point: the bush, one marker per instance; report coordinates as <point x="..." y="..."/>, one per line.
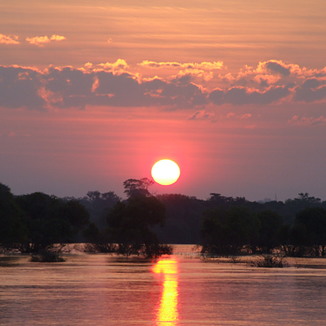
<point x="153" y="250"/>
<point x="269" y="261"/>
<point x="47" y="257"/>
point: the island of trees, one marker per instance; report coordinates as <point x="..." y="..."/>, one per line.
<point x="144" y="224"/>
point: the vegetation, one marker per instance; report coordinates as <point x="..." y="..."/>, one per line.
<point x="32" y="223"/>
<point x="269" y="261"/>
<point x="49" y="220"/>
<point x="254" y="227"/>
<point x="130" y="221"/>
<point x="13" y="228"/>
<point x="143" y="224"/>
<point x="98" y="206"/>
<point x="268" y="231"/>
<point x="226" y="231"/>
<point x="47" y="256"/>
<point x="308" y="234"/>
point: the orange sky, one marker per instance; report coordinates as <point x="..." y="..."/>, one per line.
<point x="92" y="93"/>
<point x="236" y="32"/>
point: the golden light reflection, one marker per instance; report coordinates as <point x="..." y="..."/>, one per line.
<point x="168" y="310"/>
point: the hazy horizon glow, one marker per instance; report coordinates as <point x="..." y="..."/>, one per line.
<point x="92" y="94"/>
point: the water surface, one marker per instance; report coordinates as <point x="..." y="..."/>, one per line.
<point x="178" y="290"/>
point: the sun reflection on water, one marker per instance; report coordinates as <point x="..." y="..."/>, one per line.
<point x="168" y="310"/>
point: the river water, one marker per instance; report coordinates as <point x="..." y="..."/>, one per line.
<point x="178" y="290"/>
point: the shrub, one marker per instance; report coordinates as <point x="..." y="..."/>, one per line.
<point x="269" y="261"/>
<point x="47" y="257"/>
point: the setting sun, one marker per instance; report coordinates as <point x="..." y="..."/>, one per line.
<point x="165" y="172"/>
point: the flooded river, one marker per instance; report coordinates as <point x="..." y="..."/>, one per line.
<point x="178" y="290"/>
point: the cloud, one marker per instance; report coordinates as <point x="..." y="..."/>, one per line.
<point x="199" y="71"/>
<point x="216" y="65"/>
<point x="307" y="121"/>
<point x="202" y="115"/>
<point x="42" y="40"/>
<point x="197" y="74"/>
<point x="243" y="96"/>
<point x="276" y="67"/>
<point x="19" y="88"/>
<point x="125" y="90"/>
<point x="110" y="84"/>
<point x="244" y="116"/>
<point x="311" y="90"/>
<point x="8" y="39"/>
<point x="67" y="87"/>
<point x="35" y="40"/>
<point x="268" y="73"/>
<point x="70" y="87"/>
<point x="117" y="66"/>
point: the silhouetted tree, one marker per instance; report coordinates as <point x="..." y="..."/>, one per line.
<point x="293" y="206"/>
<point x="227" y="231"/>
<point x="135" y="187"/>
<point x="218" y="200"/>
<point x="309" y="230"/>
<point x="12" y="226"/>
<point x="130" y="221"/>
<point x="310" y="200"/>
<point x="297" y="225"/>
<point x="183" y="219"/>
<point x="270" y="231"/>
<point x="98" y="205"/>
<point x="76" y="214"/>
<point x="50" y="220"/>
<point x="92" y="233"/>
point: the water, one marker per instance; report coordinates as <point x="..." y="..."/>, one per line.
<point x="180" y="290"/>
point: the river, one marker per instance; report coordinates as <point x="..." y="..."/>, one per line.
<point x="182" y="289"/>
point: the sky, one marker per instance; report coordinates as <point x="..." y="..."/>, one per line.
<point x="93" y="93"/>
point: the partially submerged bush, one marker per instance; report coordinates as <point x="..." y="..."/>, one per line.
<point x="157" y="250"/>
<point x="100" y="248"/>
<point x="47" y="257"/>
<point x="269" y="261"/>
<point x="152" y="250"/>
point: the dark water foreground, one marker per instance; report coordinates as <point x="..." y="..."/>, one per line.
<point x="179" y="290"/>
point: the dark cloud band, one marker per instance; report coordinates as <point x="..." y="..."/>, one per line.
<point x="68" y="87"/>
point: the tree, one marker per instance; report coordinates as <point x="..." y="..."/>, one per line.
<point x="227" y="231"/>
<point x="12" y="227"/>
<point x="50" y="220"/>
<point x="183" y="219"/>
<point x="270" y="230"/>
<point x="310" y="230"/>
<point x="219" y="200"/>
<point x="76" y="214"/>
<point x="98" y="205"/>
<point x="311" y="200"/>
<point x="302" y="201"/>
<point x="92" y="233"/>
<point x="135" y="187"/>
<point x="130" y="221"/>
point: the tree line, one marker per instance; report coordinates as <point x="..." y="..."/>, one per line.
<point x="144" y="224"/>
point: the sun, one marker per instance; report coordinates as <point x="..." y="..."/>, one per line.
<point x="165" y="172"/>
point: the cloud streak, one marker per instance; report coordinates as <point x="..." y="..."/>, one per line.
<point x="307" y="121"/>
<point x="216" y="65"/>
<point x="8" y="39"/>
<point x="112" y="85"/>
<point x="42" y="40"/>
